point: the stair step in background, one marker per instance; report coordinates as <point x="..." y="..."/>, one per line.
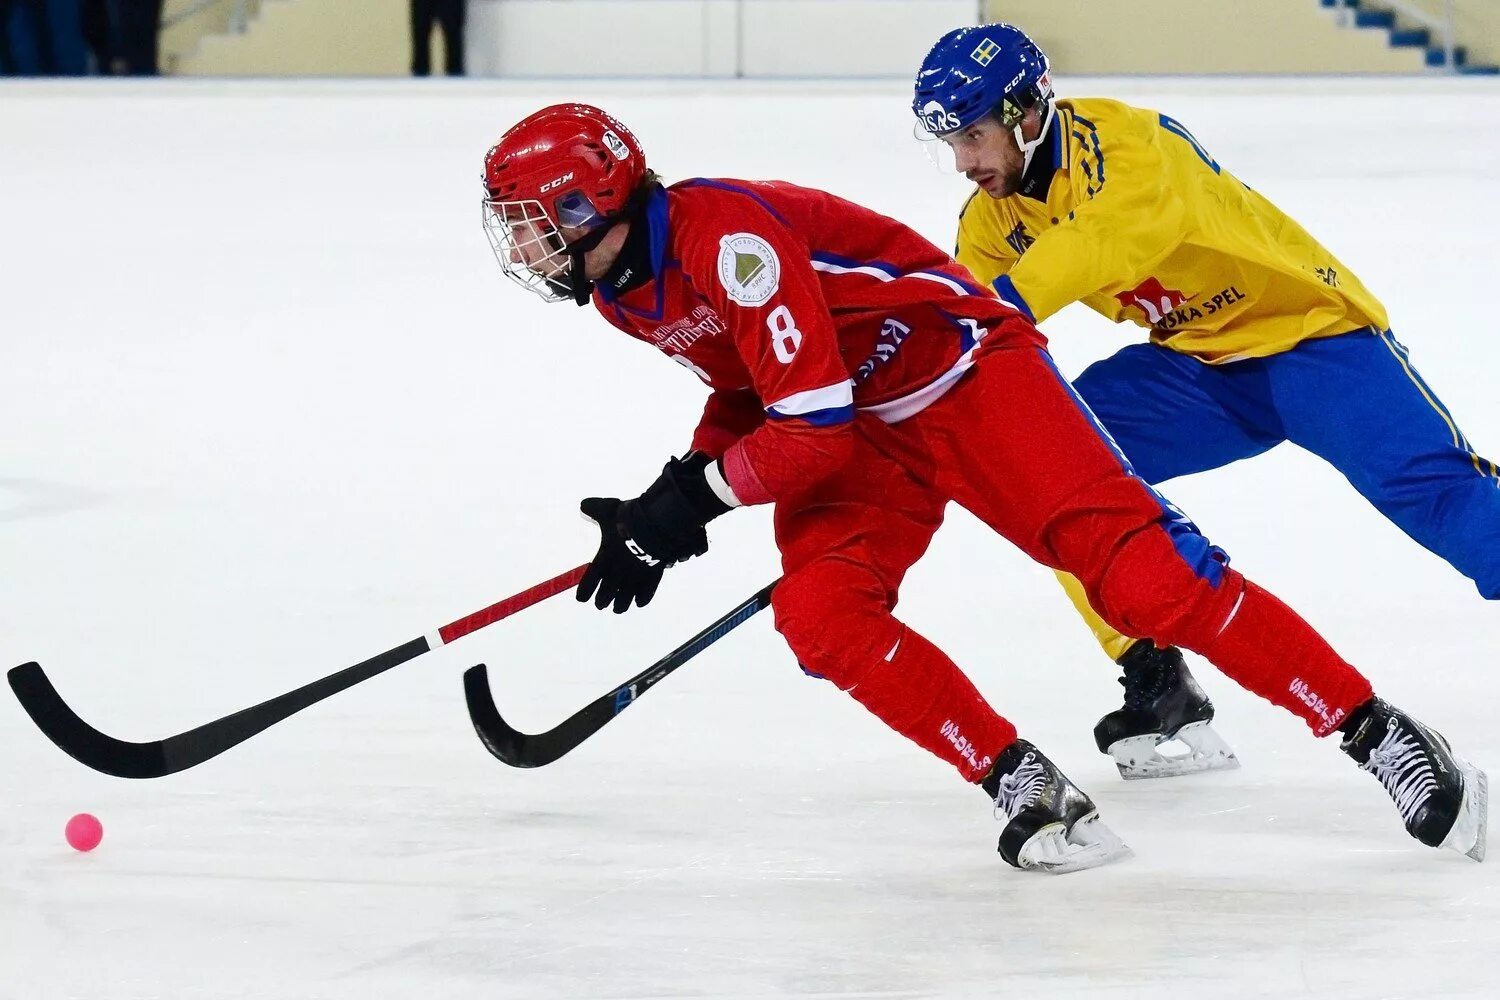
<point x="1370" y="14"/>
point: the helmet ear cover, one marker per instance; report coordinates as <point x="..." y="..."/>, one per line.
<point x="1013" y="106"/>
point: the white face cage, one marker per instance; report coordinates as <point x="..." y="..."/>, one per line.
<point x="529" y="247"/>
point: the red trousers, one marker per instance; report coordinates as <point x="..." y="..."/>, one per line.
<point x="1013" y="444"/>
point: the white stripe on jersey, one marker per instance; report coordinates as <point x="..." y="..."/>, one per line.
<point x="829" y="397"/>
<point x="941" y="279"/>
<point x="875" y="272"/>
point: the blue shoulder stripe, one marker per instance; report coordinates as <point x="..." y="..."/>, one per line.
<point x="737" y="189"/>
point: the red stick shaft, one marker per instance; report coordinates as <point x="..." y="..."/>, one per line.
<point x="509" y="606"/>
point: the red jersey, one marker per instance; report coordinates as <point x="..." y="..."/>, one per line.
<point x="799" y="308"/>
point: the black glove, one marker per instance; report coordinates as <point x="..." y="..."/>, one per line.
<point x="640" y="538"/>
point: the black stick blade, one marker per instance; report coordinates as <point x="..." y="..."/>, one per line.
<point x="518" y="749"/>
<point x="77" y="738"/>
<point x="495" y="733"/>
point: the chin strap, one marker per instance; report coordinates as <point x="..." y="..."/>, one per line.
<point x="578" y="281"/>
<point x="581" y="287"/>
<point x="1028" y="149"/>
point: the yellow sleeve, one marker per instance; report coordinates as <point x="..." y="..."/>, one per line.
<point x="976" y="247"/>
<point x="1127" y="221"/>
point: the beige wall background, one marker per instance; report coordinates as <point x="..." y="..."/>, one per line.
<point x="186" y="22"/>
<point x="371" y="37"/>
<point x="296" y="38"/>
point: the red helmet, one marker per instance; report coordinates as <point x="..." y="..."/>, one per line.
<point x="552" y="185"/>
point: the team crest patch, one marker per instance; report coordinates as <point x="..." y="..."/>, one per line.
<point x="748" y="268"/>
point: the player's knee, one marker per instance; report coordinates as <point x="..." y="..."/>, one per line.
<point x="834" y="632"/>
<point x="1150" y="588"/>
<point x="1459" y="521"/>
<point x="1467" y="533"/>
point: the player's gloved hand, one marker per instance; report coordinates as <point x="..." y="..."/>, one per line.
<point x="640" y="538"/>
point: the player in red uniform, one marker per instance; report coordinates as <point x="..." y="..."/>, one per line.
<point x="861" y="380"/>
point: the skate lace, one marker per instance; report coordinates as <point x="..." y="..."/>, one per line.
<point x="1403" y="769"/>
<point x="1144" y="684"/>
<point x="1021" y="787"/>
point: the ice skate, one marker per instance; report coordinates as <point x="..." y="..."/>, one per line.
<point x="1442" y="798"/>
<point x="1162" y="703"/>
<point x="1051" y="825"/>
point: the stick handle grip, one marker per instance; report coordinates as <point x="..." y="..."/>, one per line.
<point x="509" y="606"/>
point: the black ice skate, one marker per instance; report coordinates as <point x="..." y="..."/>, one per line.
<point x="1442" y="798"/>
<point x="1051" y="825"/>
<point x="1162" y="703"/>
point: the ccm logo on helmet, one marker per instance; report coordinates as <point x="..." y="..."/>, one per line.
<point x="557" y="183"/>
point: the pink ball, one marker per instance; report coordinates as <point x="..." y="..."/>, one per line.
<point x="84" y="832"/>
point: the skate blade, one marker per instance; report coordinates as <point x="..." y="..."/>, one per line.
<point x="1141" y="756"/>
<point x="1057" y="851"/>
<point x="1471" y="828"/>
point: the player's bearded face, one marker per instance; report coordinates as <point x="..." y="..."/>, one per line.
<point x="987" y="154"/>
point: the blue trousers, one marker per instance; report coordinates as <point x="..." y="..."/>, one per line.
<point x="1353" y="400"/>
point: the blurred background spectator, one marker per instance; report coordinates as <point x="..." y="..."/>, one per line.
<point x="136" y="25"/>
<point x="74" y="37"/>
<point x="98" y="36"/>
<point x="449" y="14"/>
<point x="27" y="44"/>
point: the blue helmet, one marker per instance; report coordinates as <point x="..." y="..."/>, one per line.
<point x="974" y="71"/>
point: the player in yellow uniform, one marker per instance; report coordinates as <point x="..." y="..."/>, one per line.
<point x="1258" y="334"/>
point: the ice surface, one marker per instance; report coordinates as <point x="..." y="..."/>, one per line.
<point x="270" y="408"/>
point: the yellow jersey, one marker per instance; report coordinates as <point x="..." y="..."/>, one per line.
<point x="1123" y="210"/>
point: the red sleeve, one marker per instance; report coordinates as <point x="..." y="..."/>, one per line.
<point x="729" y="415"/>
<point x="756" y="271"/>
